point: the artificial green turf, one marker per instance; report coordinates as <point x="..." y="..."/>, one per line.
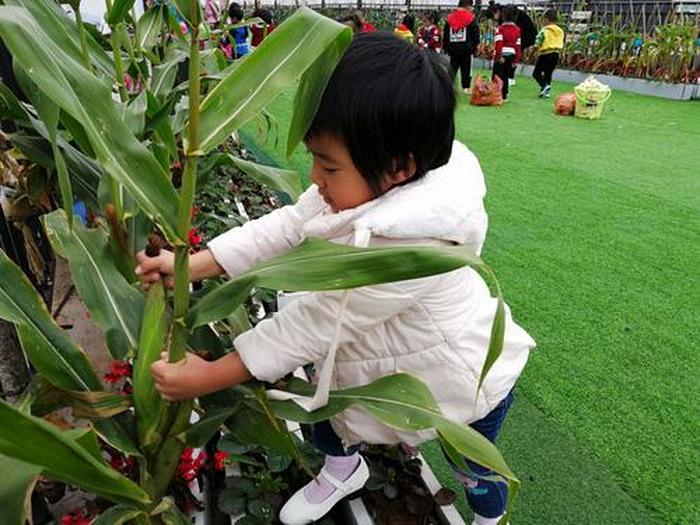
<point x="595" y="235"/>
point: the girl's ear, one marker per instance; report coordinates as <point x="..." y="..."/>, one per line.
<point x="400" y="175"/>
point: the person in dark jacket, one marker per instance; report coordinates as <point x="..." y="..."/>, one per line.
<point x="460" y="39"/>
<point x="528" y="30"/>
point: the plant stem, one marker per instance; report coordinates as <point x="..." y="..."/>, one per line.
<point x="189" y="180"/>
<point x="83" y="39"/>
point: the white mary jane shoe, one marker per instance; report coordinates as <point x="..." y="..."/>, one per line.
<point x="299" y="511"/>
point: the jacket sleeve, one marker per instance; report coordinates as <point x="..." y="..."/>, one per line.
<point x="241" y="248"/>
<point x="473" y="36"/>
<point x="498" y="41"/>
<point x="302" y="332"/>
<point x="518" y="48"/>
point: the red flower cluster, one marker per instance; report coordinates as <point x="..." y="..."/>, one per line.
<point x="220" y="458"/>
<point x="190" y="466"/>
<point x="122" y="463"/>
<point x="76" y="517"/>
<point x="194" y="238"/>
<point x="118" y="370"/>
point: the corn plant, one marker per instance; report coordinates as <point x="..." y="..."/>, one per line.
<point x="116" y="147"/>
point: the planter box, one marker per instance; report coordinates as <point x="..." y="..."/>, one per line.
<point x="632" y="85"/>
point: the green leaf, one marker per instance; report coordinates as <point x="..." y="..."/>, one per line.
<point x="118" y="515"/>
<point x="403" y="402"/>
<point x="86" y="438"/>
<point x="318" y="265"/>
<point x="276" y="179"/>
<point x="186" y="7"/>
<point x="150" y="408"/>
<point x="48" y="347"/>
<point x="114" y="304"/>
<point x="35" y="441"/>
<point x="64" y="33"/>
<point x="273" y="68"/>
<point x="10" y="106"/>
<point x="49" y="112"/>
<point x="202" y="431"/>
<point x="496" y="342"/>
<point x="120" y="8"/>
<point x="277" y="461"/>
<point x="134" y="114"/>
<point x="311" y="87"/>
<point x="148" y="28"/>
<point x="18" y="479"/>
<point x="88" y="100"/>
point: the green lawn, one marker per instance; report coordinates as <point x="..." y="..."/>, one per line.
<point x="595" y="235"/>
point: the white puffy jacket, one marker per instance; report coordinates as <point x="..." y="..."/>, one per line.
<point x="436" y="328"/>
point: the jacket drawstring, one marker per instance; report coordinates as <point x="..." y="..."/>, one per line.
<point x="325" y="376"/>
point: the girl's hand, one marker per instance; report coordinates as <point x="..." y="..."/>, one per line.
<point x="194" y="377"/>
<point x="185" y="379"/>
<point x="152" y="269"/>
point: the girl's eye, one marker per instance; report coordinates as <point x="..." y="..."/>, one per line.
<point x="330" y="170"/>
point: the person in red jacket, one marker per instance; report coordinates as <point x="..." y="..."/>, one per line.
<point x="429" y="36"/>
<point x="460" y="39"/>
<point x="261" y="30"/>
<point x="508" y="51"/>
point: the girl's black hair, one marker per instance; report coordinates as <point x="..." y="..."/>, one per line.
<point x="235" y="11"/>
<point x="409" y="21"/>
<point x="389" y="101"/>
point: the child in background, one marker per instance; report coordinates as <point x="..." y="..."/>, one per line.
<point x="461" y="39"/>
<point x="379" y="180"/>
<point x="405" y="29"/>
<point x="239" y="35"/>
<point x="549" y="42"/>
<point x="261" y="30"/>
<point x="429" y="36"/>
<point x="508" y="52"/>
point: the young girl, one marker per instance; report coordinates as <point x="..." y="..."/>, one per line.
<point x="378" y="180"/>
<point x="508" y="51"/>
<point x="429" y="36"/>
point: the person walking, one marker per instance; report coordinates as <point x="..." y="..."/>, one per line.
<point x="549" y="42"/>
<point x="460" y="39"/>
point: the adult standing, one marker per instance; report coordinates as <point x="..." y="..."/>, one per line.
<point x="460" y="39"/>
<point x="528" y="30"/>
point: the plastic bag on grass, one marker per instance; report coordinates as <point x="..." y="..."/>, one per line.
<point x="565" y="104"/>
<point x="487" y="93"/>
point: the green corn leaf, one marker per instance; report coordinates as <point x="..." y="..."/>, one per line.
<point x="35" y="441"/>
<point x="48" y="347"/>
<point x="276" y="179"/>
<point x="10" y="106"/>
<point x="49" y="113"/>
<point x="202" y="431"/>
<point x="148" y="28"/>
<point x="113" y="303"/>
<point x="64" y="33"/>
<point x="274" y="67"/>
<point x="308" y="96"/>
<point x="185" y="7"/>
<point x="150" y="408"/>
<point x="318" y="265"/>
<point x="88" y="100"/>
<point x="498" y="329"/>
<point x="18" y="480"/>
<point x="403" y="402"/>
<point x="119" y="515"/>
<point x="120" y="8"/>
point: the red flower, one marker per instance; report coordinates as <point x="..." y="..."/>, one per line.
<point x="194" y="238"/>
<point x="118" y="370"/>
<point x="194" y="211"/>
<point x="189" y="466"/>
<point x="76" y="517"/>
<point x="220" y="459"/>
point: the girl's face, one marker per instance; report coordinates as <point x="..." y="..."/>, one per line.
<point x="339" y="182"/>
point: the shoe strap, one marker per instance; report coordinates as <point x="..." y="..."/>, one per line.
<point x="339" y="485"/>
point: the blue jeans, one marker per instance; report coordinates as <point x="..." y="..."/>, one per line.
<point x="486" y="498"/>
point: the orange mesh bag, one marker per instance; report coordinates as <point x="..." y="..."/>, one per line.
<point x="485" y="93"/>
<point x="565" y="104"/>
